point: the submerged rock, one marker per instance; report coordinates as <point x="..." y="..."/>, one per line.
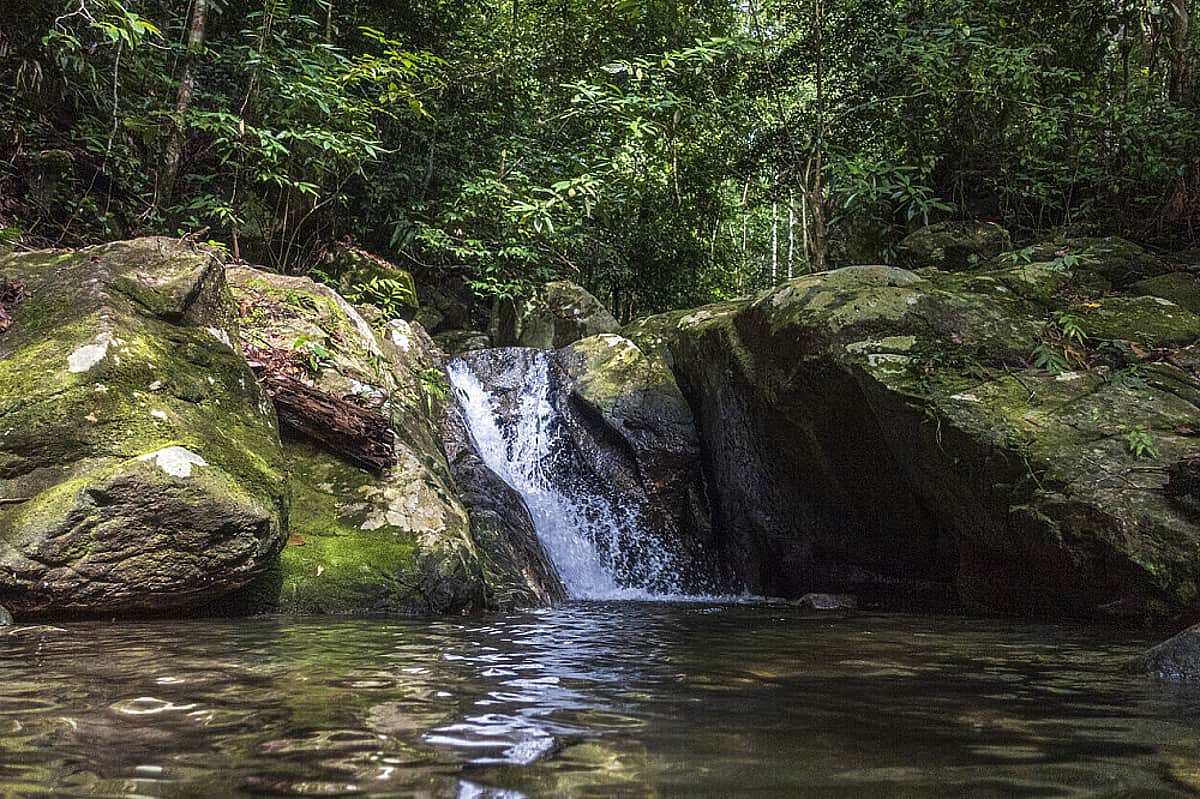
<point x="6" y="618"/>
<point x="1174" y="660"/>
<point x="140" y="464"/>
<point x="827" y="602"/>
<point x="559" y="314"/>
<point x="872" y="429"/>
<point x="953" y="246"/>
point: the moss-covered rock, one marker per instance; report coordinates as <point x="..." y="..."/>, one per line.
<point x="882" y="432"/>
<point x="140" y="464"/>
<point x="1118" y="261"/>
<point x="361" y="542"/>
<point x="559" y="314"/>
<point x="953" y="246"/>
<point x="1181" y="288"/>
<point x="356" y="273"/>
<point x="634" y="432"/>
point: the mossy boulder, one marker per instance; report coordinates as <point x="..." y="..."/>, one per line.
<point x="365" y="542"/>
<point x="558" y="314"/>
<point x="953" y="246"/>
<point x="883" y="432"/>
<point x="1118" y="261"/>
<point x="356" y="273"/>
<point x="1181" y="288"/>
<point x="140" y="464"/>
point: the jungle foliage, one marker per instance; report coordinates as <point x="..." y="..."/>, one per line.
<point x="661" y="152"/>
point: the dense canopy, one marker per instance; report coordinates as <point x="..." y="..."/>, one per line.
<point x="661" y="152"/>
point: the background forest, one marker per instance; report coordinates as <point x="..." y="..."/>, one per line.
<point x="663" y="153"/>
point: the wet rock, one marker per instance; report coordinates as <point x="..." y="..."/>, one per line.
<point x="518" y="572"/>
<point x="1174" y="660"/>
<point x="140" y="464"/>
<point x="871" y="429"/>
<point x="618" y="434"/>
<point x="953" y="246"/>
<point x="827" y="602"/>
<point x="559" y="314"/>
<point x="635" y="434"/>
<point x="396" y="542"/>
<point x="6" y="617"/>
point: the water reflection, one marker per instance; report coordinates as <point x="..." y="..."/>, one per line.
<point x="588" y="700"/>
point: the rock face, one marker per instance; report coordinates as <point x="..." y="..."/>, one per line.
<point x="885" y="433"/>
<point x="616" y="444"/>
<point x="635" y="433"/>
<point x="953" y="246"/>
<point x="456" y="342"/>
<point x="518" y="572"/>
<point x="125" y="408"/>
<point x="559" y="314"/>
<point x="364" y="542"/>
<point x="1175" y="660"/>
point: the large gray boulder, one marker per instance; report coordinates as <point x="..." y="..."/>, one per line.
<point x="391" y="542"/>
<point x="558" y="314"/>
<point x="634" y="432"/>
<point x="888" y="434"/>
<point x="617" y="438"/>
<point x="140" y="464"/>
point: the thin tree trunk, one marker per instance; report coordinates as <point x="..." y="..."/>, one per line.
<point x="774" y="242"/>
<point x="173" y="148"/>
<point x="791" y="261"/>
<point x="1180" y="78"/>
<point x="806" y="245"/>
<point x="818" y="203"/>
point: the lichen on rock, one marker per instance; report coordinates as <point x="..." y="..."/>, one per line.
<point x="120" y="416"/>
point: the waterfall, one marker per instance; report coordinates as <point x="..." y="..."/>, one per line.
<point x="595" y="542"/>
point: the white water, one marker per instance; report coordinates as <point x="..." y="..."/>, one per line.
<point x="583" y="534"/>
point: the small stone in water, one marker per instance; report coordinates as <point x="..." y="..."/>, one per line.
<point x="827" y="602"/>
<point x="6" y="618"/>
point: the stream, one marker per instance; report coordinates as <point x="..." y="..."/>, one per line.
<point x="589" y="699"/>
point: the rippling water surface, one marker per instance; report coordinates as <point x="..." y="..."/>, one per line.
<point x="588" y="700"/>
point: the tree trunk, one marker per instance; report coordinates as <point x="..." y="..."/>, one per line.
<point x="360" y="436"/>
<point x="173" y="148"/>
<point x="774" y="240"/>
<point x="1180" y="78"/>
<point x="817" y="203"/>
<point x="791" y="261"/>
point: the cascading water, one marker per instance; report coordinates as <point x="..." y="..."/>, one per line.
<point x="588" y="537"/>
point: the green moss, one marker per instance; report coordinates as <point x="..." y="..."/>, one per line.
<point x="350" y="556"/>
<point x="1147" y="321"/>
<point x="1181" y="288"/>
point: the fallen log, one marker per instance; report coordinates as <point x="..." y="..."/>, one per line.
<point x="356" y="434"/>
